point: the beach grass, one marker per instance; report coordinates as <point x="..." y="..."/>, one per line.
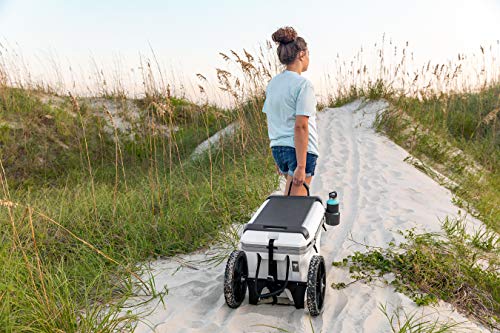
<point x="93" y="187"/>
<point x="456" y="267"/>
<point x="446" y="116"/>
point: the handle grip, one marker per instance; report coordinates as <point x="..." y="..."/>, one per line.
<point x="305" y="185"/>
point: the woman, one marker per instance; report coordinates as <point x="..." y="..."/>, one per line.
<point x="290" y="107"/>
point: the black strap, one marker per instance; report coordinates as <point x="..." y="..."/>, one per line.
<point x="275" y="292"/>
<point x="272" y="271"/>
<point x="272" y="266"/>
<point x="305" y="185"/>
<point x="259" y="259"/>
<point x="279" y="291"/>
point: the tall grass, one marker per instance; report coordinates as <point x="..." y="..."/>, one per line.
<point x="389" y="69"/>
<point x="446" y="113"/>
<point x="92" y="186"/>
<point x="459" y="136"/>
<point x="97" y="182"/>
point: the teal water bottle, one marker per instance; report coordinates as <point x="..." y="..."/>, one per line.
<point x="332" y="214"/>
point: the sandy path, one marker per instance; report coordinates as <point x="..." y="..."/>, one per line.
<point x="380" y="194"/>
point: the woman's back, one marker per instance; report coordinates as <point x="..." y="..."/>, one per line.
<point x="289" y="95"/>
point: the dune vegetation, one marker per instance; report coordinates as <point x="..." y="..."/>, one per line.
<point x="450" y="128"/>
<point x="93" y="186"/>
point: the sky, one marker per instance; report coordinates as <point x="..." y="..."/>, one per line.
<point x="188" y="35"/>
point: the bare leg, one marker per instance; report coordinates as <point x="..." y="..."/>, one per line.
<point x="296" y="190"/>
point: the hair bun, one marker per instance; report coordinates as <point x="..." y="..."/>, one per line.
<point x="285" y="35"/>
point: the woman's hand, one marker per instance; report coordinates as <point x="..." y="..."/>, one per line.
<point x="299" y="175"/>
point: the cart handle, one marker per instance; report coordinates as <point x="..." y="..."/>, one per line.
<point x="305" y="185"/>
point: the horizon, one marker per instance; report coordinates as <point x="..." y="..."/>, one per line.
<point x="68" y="41"/>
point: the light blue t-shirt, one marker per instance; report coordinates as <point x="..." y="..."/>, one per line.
<point x="288" y="95"/>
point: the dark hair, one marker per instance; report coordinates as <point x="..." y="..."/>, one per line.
<point x="289" y="44"/>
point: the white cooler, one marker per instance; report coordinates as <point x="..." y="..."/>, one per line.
<point x="279" y="254"/>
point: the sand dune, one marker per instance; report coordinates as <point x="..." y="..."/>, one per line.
<point x="379" y="193"/>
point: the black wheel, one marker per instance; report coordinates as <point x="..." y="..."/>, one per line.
<point x="316" y="285"/>
<point x="235" y="284"/>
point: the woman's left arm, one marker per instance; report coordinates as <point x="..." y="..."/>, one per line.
<point x="301" y="138"/>
<point x="306" y="107"/>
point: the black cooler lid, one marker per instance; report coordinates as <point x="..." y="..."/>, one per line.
<point x="284" y="214"/>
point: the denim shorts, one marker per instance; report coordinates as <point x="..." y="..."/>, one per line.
<point x="286" y="160"/>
